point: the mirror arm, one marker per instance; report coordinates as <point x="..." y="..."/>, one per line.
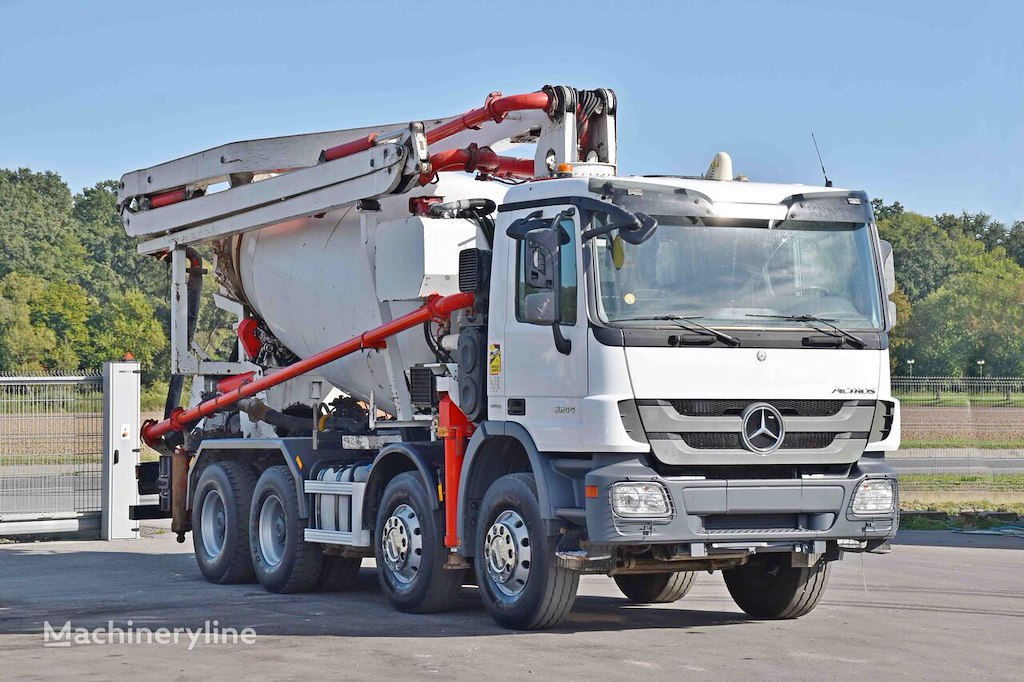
<point x="562" y="344"/>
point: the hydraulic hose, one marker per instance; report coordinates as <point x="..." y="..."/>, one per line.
<point x="259" y="411"/>
<point x="477" y="158"/>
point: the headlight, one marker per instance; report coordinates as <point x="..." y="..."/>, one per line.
<point x="640" y="500"/>
<point x="874" y="496"/>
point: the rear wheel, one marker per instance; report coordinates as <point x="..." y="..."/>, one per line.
<point x="284" y="562"/>
<point x="655" y="588"/>
<point x="769" y="586"/>
<point x="410" y="549"/>
<point x="520" y="583"/>
<point x="220" y="522"/>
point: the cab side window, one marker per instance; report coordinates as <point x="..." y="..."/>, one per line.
<point x="568" y="284"/>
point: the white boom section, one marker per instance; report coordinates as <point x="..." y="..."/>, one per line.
<point x="216" y="165"/>
<point x="303" y="192"/>
<point x="306" y="188"/>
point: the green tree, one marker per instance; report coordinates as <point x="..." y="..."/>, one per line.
<point x="975" y="315"/>
<point x="1013" y="242"/>
<point x="64" y="309"/>
<point x="900" y="342"/>
<point x="25" y="345"/>
<point x="970" y="226"/>
<point x="36" y="228"/>
<point x="129" y="325"/>
<point x="883" y="212"/>
<point x="116" y="262"/>
<point x="924" y="254"/>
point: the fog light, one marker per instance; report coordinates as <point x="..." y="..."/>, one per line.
<point x="874" y="496"/>
<point x="640" y="500"/>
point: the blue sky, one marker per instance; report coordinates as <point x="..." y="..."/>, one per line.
<point x="921" y="102"/>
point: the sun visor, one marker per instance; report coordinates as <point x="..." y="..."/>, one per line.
<point x="834" y="207"/>
<point x="654" y="199"/>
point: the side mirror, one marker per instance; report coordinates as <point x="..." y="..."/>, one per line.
<point x="542" y="261"/>
<point x="888" y="267"/>
<point x="541" y="308"/>
<point x="542" y="243"/>
<point x="543" y="274"/>
<point x="641" y="232"/>
<point x="634" y="228"/>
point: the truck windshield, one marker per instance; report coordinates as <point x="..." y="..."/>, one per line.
<point x="730" y="272"/>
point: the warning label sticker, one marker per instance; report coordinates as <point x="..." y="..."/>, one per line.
<point x="494" y="359"/>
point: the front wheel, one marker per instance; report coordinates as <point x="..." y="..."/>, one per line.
<point x="410" y="549"/>
<point x="521" y="585"/>
<point x="769" y="586"/>
<point x="656" y="588"/>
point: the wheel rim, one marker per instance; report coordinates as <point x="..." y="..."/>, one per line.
<point x="273" y="530"/>
<point x="402" y="544"/>
<point x="214" y="520"/>
<point x="509" y="553"/>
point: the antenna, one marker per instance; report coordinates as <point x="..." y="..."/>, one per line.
<point x="828" y="183"/>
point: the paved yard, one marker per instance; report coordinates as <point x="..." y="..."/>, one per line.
<point x="941" y="606"/>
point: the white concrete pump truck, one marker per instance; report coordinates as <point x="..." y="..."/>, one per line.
<point x="529" y="369"/>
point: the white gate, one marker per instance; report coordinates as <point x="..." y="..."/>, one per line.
<point x="68" y="450"/>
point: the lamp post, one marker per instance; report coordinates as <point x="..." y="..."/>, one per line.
<point x="981" y="368"/>
<point x="910" y="365"/>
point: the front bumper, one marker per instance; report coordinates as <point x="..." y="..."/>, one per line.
<point x="716" y="514"/>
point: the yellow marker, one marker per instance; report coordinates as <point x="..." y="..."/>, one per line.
<point x="618" y="253"/>
<point x="298" y="460"/>
<point x="440" y="493"/>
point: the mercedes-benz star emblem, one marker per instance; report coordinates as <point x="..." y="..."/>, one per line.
<point x="761" y="355"/>
<point x="762" y="430"/>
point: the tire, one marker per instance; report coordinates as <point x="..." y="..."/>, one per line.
<point x="283" y="561"/>
<point x="519" y="581"/>
<point x="338" y="573"/>
<point x="768" y="586"/>
<point x="410" y="552"/>
<point x="220" y="522"/>
<point x="656" y="588"/>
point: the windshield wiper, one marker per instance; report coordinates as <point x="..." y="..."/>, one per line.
<point x="814" y="320"/>
<point x="687" y="323"/>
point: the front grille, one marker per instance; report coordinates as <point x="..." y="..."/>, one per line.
<point x="770" y="472"/>
<point x="712" y="441"/>
<point x="807" y="441"/>
<point x="724" y="408"/>
<point x="731" y="441"/>
<point x="761" y="523"/>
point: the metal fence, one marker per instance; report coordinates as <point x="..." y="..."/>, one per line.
<point x="51" y="447"/>
<point x="962" y="434"/>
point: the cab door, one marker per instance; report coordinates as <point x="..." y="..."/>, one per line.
<point x="534" y="379"/>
